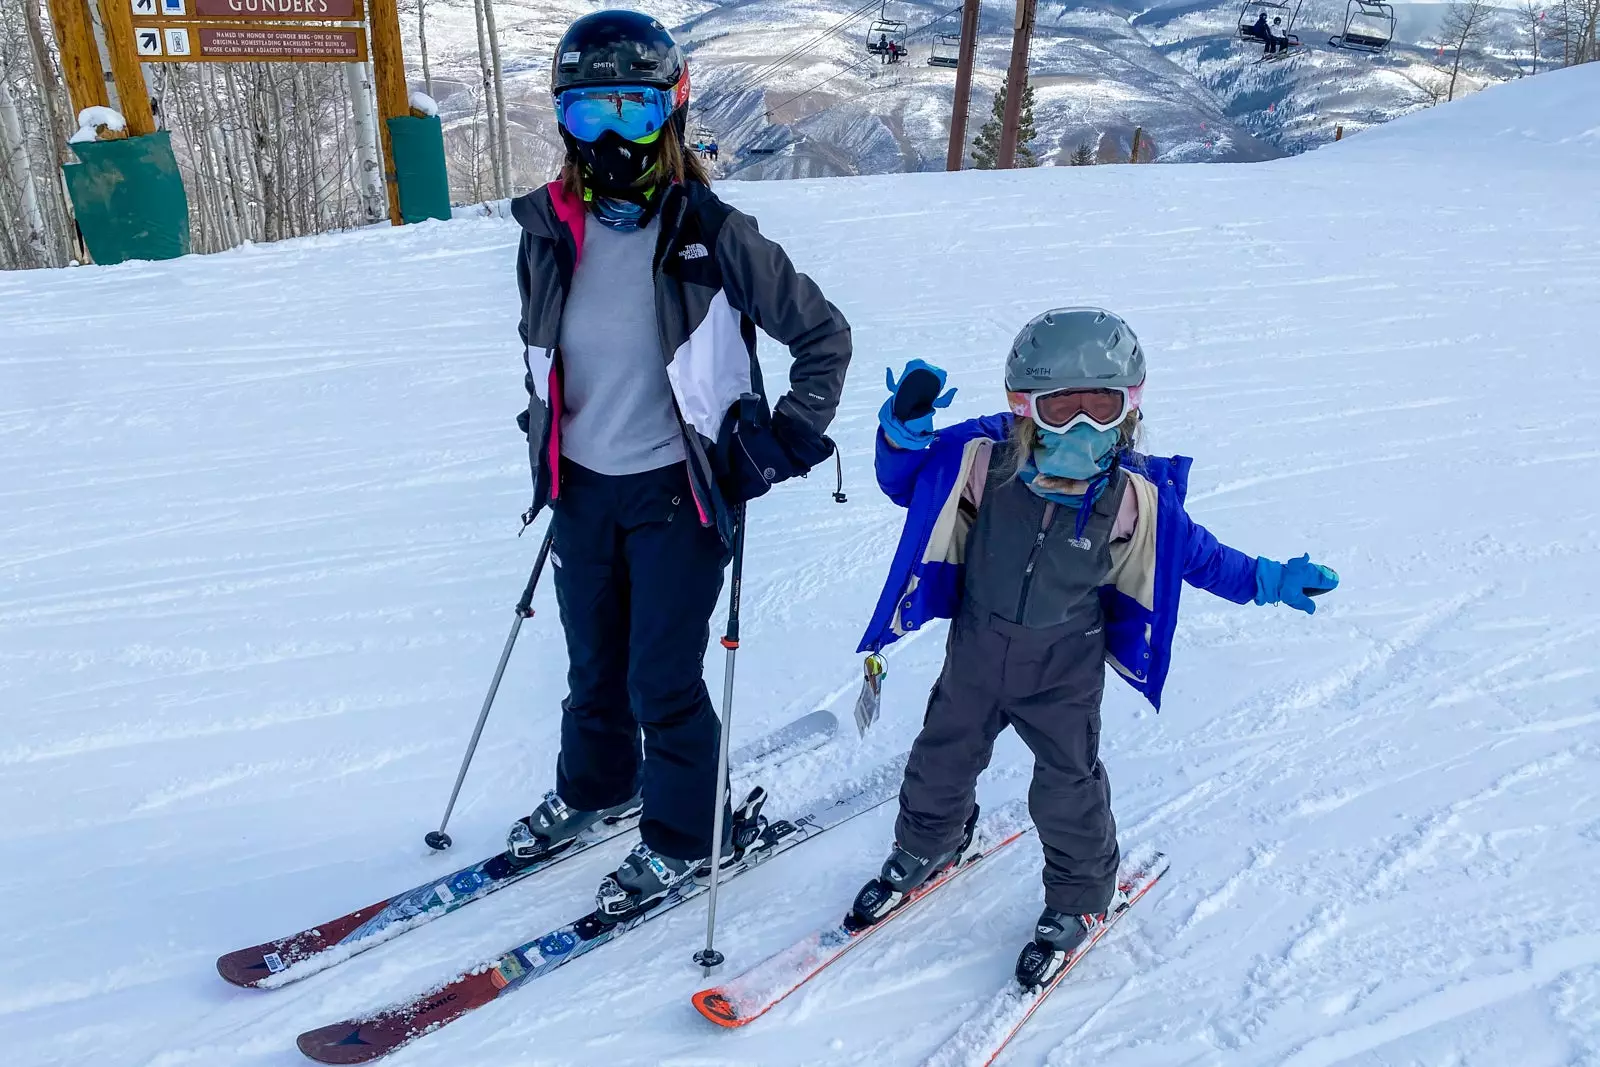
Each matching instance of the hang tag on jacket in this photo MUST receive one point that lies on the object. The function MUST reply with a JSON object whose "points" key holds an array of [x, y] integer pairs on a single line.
{"points": [[873, 672]]}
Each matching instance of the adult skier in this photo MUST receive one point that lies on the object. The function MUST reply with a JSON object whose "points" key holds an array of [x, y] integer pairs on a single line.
{"points": [[648, 427], [1053, 546]]}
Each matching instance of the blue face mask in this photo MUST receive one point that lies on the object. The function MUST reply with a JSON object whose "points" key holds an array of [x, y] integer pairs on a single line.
{"points": [[1080, 453], [623, 215]]}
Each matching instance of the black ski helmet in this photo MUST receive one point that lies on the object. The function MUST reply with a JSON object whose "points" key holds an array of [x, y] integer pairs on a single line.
{"points": [[620, 48]]}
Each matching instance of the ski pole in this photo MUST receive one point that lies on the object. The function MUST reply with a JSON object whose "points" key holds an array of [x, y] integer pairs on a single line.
{"points": [[708, 957], [438, 840]]}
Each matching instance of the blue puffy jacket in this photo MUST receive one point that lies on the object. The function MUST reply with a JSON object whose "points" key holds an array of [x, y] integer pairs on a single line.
{"points": [[1141, 605]]}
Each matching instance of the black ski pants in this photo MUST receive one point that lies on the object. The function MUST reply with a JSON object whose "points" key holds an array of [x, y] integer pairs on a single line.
{"points": [[637, 578], [1047, 684]]}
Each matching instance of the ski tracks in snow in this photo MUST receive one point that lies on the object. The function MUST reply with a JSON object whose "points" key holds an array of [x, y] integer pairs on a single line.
{"points": [[256, 563]]}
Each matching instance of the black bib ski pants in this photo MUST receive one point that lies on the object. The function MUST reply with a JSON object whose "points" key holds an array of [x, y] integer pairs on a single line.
{"points": [[1025, 563], [637, 578]]}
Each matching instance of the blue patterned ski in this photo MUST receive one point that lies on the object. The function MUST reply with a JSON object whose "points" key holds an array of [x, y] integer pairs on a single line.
{"points": [[288, 959], [361, 1040]]}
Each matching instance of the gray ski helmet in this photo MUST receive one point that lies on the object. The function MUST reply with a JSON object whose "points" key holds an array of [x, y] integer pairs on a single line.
{"points": [[1074, 348]]}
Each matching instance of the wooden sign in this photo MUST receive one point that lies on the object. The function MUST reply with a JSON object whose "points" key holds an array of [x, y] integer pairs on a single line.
{"points": [[333, 10], [251, 10], [211, 43]]}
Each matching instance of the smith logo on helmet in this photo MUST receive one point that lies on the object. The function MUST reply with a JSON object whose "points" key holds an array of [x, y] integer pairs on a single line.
{"points": [[1038, 372], [604, 64]]}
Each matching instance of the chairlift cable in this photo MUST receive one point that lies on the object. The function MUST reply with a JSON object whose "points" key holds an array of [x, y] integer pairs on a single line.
{"points": [[860, 63], [765, 73]]}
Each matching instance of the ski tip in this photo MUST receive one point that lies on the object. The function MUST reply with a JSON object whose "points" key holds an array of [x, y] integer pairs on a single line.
{"points": [[716, 1007], [340, 1043], [246, 968]]}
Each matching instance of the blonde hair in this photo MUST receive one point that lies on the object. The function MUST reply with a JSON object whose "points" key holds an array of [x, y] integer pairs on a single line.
{"points": [[677, 164], [1025, 436]]}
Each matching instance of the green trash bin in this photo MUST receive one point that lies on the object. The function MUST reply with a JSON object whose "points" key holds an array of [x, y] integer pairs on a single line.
{"points": [[419, 169], [129, 198]]}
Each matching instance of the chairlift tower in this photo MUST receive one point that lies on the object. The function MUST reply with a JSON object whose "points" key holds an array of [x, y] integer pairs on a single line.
{"points": [[1016, 84], [958, 109]]}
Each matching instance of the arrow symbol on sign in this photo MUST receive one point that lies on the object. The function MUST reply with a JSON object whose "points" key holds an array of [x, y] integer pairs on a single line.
{"points": [[147, 39]]}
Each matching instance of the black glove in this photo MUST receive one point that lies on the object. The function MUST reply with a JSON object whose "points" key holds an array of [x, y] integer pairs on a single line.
{"points": [[803, 445], [758, 449]]}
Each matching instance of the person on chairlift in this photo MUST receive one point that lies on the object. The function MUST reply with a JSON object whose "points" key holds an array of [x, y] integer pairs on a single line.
{"points": [[1276, 39]]}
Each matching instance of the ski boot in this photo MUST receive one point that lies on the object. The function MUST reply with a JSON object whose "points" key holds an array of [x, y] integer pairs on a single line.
{"points": [[1057, 937], [903, 872], [646, 876], [552, 827]]}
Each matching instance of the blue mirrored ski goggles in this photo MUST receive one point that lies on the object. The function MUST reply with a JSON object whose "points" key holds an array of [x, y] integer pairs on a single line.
{"points": [[635, 112]]}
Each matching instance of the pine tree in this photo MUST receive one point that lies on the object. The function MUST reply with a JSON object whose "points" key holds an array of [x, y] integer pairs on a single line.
{"points": [[1083, 155], [986, 146], [1026, 132]]}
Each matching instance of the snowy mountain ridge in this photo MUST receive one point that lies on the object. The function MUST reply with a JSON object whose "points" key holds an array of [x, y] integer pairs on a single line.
{"points": [[1100, 69], [257, 559]]}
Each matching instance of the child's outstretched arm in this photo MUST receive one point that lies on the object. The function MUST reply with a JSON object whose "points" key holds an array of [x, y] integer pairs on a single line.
{"points": [[1213, 566]]}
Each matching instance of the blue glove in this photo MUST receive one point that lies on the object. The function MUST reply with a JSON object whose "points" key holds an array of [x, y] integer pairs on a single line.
{"points": [[907, 416], [1293, 583]]}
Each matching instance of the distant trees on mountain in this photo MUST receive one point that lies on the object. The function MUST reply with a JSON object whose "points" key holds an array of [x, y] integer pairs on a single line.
{"points": [[1465, 29], [1573, 26]]}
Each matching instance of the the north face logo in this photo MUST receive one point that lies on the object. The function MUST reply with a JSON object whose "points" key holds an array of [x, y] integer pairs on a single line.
{"points": [[694, 251]]}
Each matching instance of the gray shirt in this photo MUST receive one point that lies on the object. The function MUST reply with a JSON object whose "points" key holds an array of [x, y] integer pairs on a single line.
{"points": [[617, 408]]}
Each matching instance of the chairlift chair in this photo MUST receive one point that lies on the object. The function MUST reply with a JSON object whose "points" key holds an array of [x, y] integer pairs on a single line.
{"points": [[946, 50], [887, 37], [1368, 26], [1253, 9]]}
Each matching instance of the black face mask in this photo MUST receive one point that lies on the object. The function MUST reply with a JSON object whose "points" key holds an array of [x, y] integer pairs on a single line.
{"points": [[613, 166]]}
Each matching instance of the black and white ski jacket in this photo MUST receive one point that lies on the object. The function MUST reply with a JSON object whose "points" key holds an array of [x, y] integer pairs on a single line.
{"points": [[716, 280]]}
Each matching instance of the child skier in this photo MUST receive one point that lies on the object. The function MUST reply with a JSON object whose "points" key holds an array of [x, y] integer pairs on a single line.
{"points": [[1052, 545]]}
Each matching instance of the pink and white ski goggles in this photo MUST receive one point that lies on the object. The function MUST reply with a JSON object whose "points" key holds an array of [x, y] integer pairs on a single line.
{"points": [[1058, 410]]}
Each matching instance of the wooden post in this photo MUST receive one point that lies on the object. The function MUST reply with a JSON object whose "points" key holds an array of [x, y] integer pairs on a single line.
{"points": [[958, 110], [1016, 85], [116, 16], [80, 56], [389, 67], [1138, 137], [1338, 133]]}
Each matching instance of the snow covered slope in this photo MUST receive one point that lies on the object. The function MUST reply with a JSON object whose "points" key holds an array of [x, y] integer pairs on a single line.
{"points": [[256, 562]]}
